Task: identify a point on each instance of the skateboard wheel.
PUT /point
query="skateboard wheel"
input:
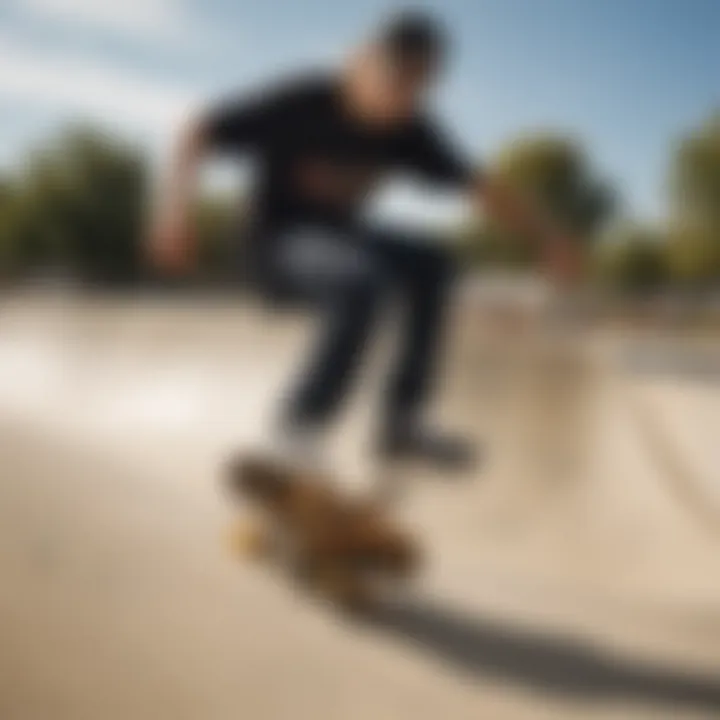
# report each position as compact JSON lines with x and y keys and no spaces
{"x":248,"y":539}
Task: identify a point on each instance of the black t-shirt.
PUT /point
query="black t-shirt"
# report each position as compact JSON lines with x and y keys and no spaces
{"x":316,"y":162}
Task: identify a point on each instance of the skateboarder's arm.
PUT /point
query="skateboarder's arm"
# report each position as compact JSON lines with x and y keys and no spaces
{"x":235,"y":126}
{"x":560,"y":252}
{"x":433,"y":154}
{"x":172,"y":244}
{"x":231,"y":127}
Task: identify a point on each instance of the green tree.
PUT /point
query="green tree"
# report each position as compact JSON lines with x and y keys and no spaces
{"x":695,"y":178}
{"x":6,"y":239}
{"x":107,"y":191}
{"x":694,"y":248}
{"x":557,"y":172}
{"x":693,"y":256}
{"x":632,"y":259}
{"x":79,"y":203}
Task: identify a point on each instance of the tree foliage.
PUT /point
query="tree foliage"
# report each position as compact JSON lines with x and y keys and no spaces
{"x":557,"y":172}
{"x":694,"y":242}
{"x":78,"y":204}
{"x":633,"y":259}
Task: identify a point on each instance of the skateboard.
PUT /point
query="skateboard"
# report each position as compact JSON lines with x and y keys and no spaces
{"x":341,"y":548}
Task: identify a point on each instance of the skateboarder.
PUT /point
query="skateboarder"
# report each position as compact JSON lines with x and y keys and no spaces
{"x":321,"y":142}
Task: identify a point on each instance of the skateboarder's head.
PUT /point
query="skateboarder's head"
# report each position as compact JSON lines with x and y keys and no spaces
{"x":397,"y":67}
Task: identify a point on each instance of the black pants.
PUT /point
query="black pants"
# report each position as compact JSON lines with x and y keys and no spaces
{"x":352,"y":279}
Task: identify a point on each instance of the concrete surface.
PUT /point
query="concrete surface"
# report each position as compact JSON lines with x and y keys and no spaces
{"x":567,"y":579}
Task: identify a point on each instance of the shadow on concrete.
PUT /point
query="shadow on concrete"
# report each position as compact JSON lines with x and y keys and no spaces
{"x":548,"y":663}
{"x":674,"y":362}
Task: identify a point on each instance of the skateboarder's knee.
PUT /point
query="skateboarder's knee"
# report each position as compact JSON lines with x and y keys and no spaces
{"x":367,"y":283}
{"x":436,"y":266}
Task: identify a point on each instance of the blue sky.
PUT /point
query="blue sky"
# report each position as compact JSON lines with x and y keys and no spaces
{"x":625,"y":76}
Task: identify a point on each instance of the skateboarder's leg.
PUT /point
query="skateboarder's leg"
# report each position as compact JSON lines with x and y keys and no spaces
{"x":424,"y":272}
{"x":349,"y":284}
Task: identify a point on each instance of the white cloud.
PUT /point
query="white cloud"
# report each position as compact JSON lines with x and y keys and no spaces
{"x":85,"y":88}
{"x":141,"y":19}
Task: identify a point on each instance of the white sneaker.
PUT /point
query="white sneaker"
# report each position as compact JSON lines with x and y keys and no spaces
{"x":302,"y":448}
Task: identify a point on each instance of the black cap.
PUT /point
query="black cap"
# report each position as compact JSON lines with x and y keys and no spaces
{"x":415,"y":36}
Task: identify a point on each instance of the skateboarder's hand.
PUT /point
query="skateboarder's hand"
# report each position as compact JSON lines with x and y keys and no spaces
{"x":171,"y":247}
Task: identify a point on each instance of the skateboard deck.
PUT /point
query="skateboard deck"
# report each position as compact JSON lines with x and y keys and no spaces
{"x":341,"y":548}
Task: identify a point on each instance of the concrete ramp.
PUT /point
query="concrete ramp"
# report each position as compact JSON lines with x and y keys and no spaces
{"x":567,"y":579}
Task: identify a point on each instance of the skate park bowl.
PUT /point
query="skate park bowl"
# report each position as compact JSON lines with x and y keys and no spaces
{"x":573,"y":574}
